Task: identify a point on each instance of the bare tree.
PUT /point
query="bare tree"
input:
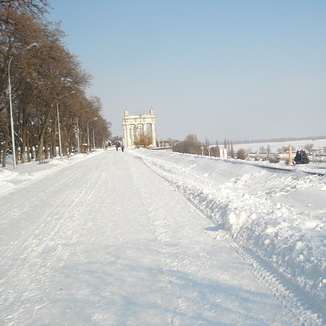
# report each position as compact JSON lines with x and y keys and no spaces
{"x":41,"y":79}
{"x":241,"y":154}
{"x":309,"y":147}
{"x":231,"y":150}
{"x":33,"y":7}
{"x":190,"y":145}
{"x":268,"y":150}
{"x":143,"y":140}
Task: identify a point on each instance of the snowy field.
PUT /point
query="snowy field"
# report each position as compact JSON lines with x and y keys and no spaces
{"x":155,"y":238}
{"x":318,"y":144}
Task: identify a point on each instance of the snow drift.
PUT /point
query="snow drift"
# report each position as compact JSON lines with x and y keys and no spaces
{"x":276,"y":216}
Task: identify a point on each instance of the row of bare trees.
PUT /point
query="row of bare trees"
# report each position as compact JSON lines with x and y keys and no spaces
{"x":46,"y":86}
{"x":192,"y":145}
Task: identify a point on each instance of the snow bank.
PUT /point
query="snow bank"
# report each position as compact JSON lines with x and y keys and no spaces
{"x":28,"y":172}
{"x":279,"y":217}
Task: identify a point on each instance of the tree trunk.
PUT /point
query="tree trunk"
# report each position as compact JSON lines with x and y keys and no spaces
{"x":42,"y":134}
{"x":31,"y":156}
{"x":39,"y":153}
{"x":28,"y":150}
{"x":23,"y":146}
{"x":46,"y":147}
{"x":53,"y":140}
{"x":63,"y":144}
{"x":5,"y":149}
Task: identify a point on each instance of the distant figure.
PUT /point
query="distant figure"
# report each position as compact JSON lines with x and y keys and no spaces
{"x":117,"y":146}
{"x":122,"y":148}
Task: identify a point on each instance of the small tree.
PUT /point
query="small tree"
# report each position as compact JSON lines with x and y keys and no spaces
{"x":215,"y":150}
{"x":268,"y":149}
{"x":190,"y":145}
{"x":285,"y":149}
{"x":143,"y":140}
{"x":241,"y":154}
{"x":206,"y":145}
{"x":232,"y":150}
{"x":309,"y":147}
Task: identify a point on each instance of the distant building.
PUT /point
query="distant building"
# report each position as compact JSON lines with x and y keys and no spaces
{"x":138,"y":125}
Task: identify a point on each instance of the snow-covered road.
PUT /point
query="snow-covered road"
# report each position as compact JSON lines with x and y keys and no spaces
{"x":106,"y":241}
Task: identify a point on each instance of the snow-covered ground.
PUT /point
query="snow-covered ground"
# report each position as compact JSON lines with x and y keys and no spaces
{"x":155,"y":238}
{"x":318,"y":144}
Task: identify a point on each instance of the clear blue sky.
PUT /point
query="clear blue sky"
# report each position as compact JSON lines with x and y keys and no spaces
{"x":236,"y":69}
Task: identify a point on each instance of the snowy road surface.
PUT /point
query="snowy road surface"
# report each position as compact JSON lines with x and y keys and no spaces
{"x":106,"y":241}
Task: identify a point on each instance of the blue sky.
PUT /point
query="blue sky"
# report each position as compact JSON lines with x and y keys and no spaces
{"x":236,"y":69}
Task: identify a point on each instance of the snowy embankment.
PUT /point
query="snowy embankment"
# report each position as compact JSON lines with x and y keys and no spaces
{"x":277,"y":217}
{"x":32,"y":171}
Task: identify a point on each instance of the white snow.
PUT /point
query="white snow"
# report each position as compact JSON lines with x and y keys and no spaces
{"x":155,"y":238}
{"x":318,"y":144}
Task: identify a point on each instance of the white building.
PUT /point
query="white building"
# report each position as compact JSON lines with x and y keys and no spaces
{"x":138,"y":125}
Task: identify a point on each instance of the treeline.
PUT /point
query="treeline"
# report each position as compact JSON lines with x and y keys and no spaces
{"x":191,"y":145}
{"x":46,"y":86}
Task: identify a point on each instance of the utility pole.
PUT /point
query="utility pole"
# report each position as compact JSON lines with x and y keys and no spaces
{"x":290,"y":155}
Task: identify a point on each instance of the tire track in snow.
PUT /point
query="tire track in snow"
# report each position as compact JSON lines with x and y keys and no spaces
{"x":51,"y":227}
{"x":160,"y":233}
{"x":281,"y":287}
